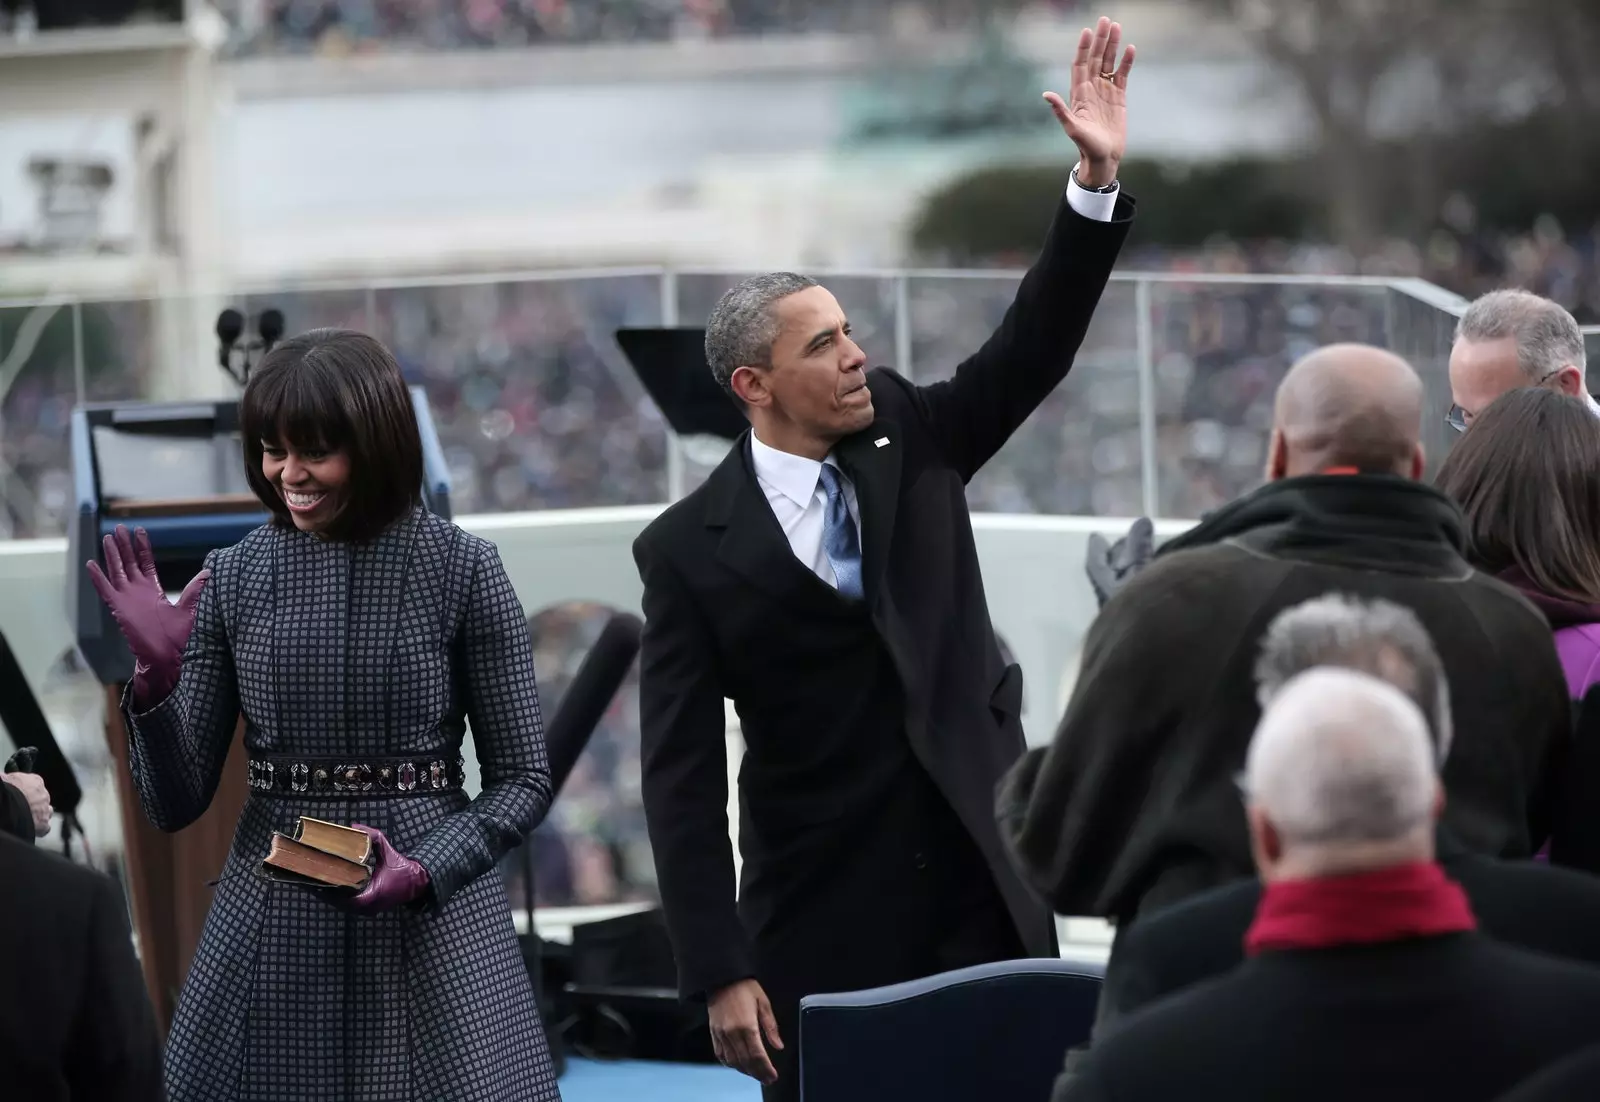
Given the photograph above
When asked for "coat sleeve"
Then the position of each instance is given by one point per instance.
(495, 666)
(113, 1048)
(177, 749)
(684, 760)
(995, 390)
(1073, 813)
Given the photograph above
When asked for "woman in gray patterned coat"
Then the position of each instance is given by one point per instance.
(355, 633)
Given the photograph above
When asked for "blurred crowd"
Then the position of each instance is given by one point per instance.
(364, 26)
(537, 408)
(593, 848)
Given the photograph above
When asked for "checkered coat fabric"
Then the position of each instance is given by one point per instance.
(376, 650)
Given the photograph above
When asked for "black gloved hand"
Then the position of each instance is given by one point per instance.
(1109, 566)
(22, 761)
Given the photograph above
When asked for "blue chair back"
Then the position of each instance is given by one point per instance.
(995, 1031)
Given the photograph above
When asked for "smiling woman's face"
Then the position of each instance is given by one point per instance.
(310, 482)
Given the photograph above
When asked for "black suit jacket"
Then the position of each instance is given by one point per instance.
(730, 612)
(75, 1022)
(1456, 1017)
(1524, 903)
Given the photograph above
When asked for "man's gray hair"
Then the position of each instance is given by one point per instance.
(743, 325)
(1546, 334)
(1341, 758)
(1376, 637)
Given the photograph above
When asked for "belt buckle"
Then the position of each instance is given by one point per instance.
(352, 778)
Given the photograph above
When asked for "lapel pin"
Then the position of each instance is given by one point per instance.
(882, 442)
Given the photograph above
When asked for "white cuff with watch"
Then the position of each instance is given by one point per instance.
(1098, 205)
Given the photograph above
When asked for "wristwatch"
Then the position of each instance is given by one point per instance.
(1107, 190)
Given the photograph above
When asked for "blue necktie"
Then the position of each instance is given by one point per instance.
(839, 536)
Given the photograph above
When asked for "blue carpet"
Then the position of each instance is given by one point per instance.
(648, 1081)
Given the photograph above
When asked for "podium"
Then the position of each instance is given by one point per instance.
(176, 470)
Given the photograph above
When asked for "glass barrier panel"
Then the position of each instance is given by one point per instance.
(593, 848)
(1220, 351)
(535, 404)
(1079, 454)
(1423, 332)
(303, 310)
(38, 388)
(119, 349)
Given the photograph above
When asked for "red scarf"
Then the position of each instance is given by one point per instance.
(1361, 909)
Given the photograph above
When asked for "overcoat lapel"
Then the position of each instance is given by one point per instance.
(751, 541)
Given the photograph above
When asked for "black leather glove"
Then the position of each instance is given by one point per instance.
(1109, 566)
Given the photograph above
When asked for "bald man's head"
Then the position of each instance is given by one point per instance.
(1348, 406)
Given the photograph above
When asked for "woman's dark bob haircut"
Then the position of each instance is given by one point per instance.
(336, 390)
(1527, 476)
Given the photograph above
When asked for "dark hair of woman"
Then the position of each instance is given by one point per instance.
(336, 390)
(1527, 476)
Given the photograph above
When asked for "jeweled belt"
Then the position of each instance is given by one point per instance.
(291, 775)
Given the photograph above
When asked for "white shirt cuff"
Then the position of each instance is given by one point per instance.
(1096, 205)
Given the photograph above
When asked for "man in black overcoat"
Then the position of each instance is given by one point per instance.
(1132, 807)
(75, 1021)
(825, 579)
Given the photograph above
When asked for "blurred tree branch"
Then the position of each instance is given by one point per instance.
(1428, 73)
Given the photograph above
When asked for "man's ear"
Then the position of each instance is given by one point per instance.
(1277, 456)
(1569, 380)
(1419, 462)
(751, 385)
(1266, 846)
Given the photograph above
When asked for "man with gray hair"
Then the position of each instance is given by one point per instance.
(1366, 976)
(826, 579)
(1510, 339)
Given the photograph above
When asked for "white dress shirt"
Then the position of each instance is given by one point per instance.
(793, 483)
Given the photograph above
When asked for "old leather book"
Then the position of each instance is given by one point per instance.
(321, 854)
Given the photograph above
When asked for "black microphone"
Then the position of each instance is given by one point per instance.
(584, 703)
(270, 326)
(230, 325)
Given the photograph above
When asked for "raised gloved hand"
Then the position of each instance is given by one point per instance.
(156, 629)
(396, 879)
(1109, 566)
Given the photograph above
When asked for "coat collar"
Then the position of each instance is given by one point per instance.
(754, 545)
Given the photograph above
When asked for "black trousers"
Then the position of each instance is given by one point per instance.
(977, 931)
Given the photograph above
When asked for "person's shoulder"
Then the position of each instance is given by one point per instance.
(1202, 1015)
(35, 872)
(1533, 889)
(1224, 907)
(683, 516)
(1501, 604)
(1212, 574)
(886, 385)
(1541, 978)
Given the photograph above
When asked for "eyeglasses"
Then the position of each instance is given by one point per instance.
(1456, 417)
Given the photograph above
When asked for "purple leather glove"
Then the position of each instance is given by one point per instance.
(156, 629)
(396, 879)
